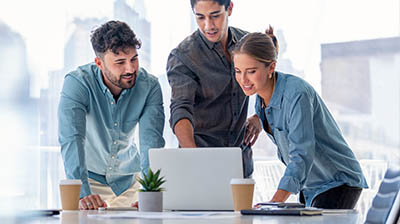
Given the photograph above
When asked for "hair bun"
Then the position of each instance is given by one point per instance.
(270, 32)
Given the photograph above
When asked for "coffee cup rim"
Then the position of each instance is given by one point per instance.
(242, 181)
(71, 182)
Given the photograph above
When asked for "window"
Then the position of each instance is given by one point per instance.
(348, 50)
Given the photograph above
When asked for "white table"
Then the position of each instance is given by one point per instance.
(73, 217)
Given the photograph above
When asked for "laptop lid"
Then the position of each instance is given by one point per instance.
(197, 178)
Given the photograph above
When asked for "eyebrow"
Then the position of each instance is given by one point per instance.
(212, 13)
(246, 68)
(123, 59)
(251, 68)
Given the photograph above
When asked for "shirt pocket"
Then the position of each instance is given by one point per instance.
(281, 138)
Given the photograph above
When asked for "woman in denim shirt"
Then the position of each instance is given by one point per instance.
(319, 163)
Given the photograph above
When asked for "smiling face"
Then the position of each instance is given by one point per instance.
(119, 70)
(252, 75)
(212, 19)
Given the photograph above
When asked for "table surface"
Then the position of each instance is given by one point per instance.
(73, 217)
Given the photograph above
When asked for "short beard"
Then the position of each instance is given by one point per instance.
(119, 82)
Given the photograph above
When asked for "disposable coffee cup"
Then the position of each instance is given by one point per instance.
(242, 193)
(70, 191)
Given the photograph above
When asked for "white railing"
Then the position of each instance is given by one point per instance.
(36, 180)
(267, 174)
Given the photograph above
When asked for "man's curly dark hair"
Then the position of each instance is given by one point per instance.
(114, 36)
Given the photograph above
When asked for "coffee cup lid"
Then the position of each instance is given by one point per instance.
(242, 181)
(70, 182)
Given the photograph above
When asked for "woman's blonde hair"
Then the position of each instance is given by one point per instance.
(261, 46)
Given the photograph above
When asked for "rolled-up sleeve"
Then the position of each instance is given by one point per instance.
(301, 139)
(151, 125)
(183, 84)
(72, 111)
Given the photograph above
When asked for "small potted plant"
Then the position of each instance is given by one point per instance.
(150, 195)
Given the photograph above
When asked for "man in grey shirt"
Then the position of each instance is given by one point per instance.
(208, 107)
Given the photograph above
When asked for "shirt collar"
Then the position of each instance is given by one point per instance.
(232, 39)
(277, 96)
(99, 78)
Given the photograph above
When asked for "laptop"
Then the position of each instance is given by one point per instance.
(197, 179)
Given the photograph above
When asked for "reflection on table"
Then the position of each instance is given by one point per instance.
(73, 217)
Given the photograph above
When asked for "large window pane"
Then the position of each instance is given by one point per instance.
(348, 50)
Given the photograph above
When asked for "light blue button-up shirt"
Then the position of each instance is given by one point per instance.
(309, 142)
(96, 133)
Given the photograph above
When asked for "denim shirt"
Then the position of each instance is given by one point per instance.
(309, 141)
(96, 133)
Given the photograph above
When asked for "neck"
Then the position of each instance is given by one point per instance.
(224, 43)
(268, 91)
(115, 90)
(224, 40)
(116, 97)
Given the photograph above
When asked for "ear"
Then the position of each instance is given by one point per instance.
(230, 7)
(271, 69)
(98, 62)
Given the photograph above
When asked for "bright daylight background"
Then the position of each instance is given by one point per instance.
(348, 50)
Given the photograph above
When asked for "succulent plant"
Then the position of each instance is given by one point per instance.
(152, 181)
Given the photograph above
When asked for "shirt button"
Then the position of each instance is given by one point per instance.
(115, 142)
(110, 168)
(112, 102)
(115, 124)
(112, 157)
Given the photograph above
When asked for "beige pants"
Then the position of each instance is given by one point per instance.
(125, 199)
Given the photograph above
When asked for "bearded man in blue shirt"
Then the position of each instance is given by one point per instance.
(101, 104)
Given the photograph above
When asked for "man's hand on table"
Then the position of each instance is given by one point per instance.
(91, 202)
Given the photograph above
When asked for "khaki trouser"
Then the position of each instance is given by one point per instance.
(125, 199)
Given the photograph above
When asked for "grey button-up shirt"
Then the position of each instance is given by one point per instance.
(205, 92)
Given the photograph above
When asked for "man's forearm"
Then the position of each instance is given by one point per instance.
(184, 132)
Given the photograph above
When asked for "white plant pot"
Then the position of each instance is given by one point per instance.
(150, 201)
